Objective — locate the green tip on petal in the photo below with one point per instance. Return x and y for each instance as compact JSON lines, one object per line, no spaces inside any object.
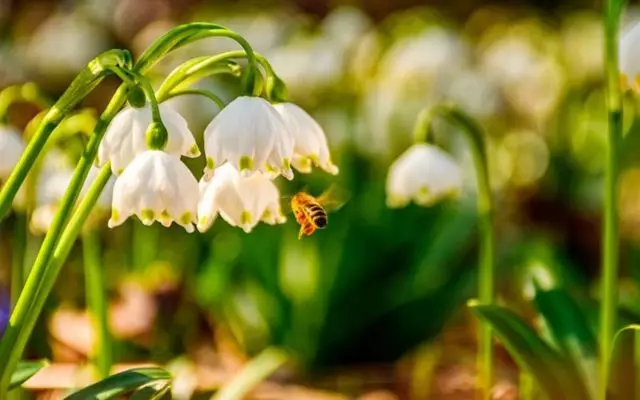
{"x":194,"y":150}
{"x":245,"y":217}
{"x":147,"y":215}
{"x":246,"y":162}
{"x":210,"y":163}
{"x":286,"y":163}
{"x":185,"y":218}
{"x":115,"y":215}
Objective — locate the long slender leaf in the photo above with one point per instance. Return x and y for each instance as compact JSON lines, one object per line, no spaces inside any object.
{"x":570,"y":331}
{"x":623,"y":383}
{"x":151,"y":392}
{"x":25,"y":370}
{"x":554,"y":373}
{"x":121,"y":383}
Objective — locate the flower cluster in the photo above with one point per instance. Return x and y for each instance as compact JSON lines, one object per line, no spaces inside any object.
{"x":248,"y":144}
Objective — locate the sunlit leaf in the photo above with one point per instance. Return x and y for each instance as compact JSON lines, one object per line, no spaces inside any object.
{"x":570,"y":330}
{"x":121,"y":383}
{"x":554,"y":373}
{"x":25,"y":370}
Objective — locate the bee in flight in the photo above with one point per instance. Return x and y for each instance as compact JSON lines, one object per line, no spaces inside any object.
{"x":312,"y":212}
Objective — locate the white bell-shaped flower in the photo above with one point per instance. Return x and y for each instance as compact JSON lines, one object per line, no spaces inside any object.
{"x":125,"y":136}
{"x":310,"y":142}
{"x":241,"y":200}
{"x":156,"y":186}
{"x":250,"y":134}
{"x":425,"y":174}
{"x":11,"y":148}
{"x":629,"y":58}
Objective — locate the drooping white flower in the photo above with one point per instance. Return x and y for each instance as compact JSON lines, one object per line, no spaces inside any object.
{"x":125,"y":136}
{"x":241,"y":200}
{"x":310,"y":142}
{"x":249,"y":134}
{"x":106,"y":197}
{"x":629,"y":58}
{"x":156,"y":186}
{"x":11,"y":148}
{"x":425,"y":174}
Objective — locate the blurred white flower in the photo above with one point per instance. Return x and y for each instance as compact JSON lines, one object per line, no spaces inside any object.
{"x":106,"y":197}
{"x":125,"y":136}
{"x":346,"y":25}
{"x":11,"y":148}
{"x":310,"y":142}
{"x":629,"y":58}
{"x":251,"y":135}
{"x":242,"y":201}
{"x":64,"y":43}
{"x":156,"y":186}
{"x":425,"y":174}
{"x":51,"y":184}
{"x":435,"y":51}
{"x":308,"y":64}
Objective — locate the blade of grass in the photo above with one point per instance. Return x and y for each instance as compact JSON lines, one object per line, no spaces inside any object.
{"x":25,"y":370}
{"x":121,"y":383}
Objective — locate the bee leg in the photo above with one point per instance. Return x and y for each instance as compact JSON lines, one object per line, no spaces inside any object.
{"x":301,"y":232}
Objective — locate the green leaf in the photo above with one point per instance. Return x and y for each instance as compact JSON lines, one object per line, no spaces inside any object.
{"x":121,"y":383}
{"x":570,"y":331}
{"x":151,"y":392}
{"x":25,"y":370}
{"x":554,"y":373}
{"x":625,"y":364}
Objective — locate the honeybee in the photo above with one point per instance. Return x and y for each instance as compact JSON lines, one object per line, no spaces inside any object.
{"x":312,"y":212}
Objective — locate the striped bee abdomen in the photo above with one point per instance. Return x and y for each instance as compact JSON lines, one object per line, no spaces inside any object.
{"x":317,"y":214}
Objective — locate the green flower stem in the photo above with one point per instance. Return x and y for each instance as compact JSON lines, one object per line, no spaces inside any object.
{"x":19,"y":242}
{"x":23,"y":317}
{"x":257,"y":370}
{"x":188,"y":33}
{"x":201,"y":92}
{"x":475,"y":135}
{"x":200,"y":67}
{"x":97,"y":302}
{"x":610,"y":238}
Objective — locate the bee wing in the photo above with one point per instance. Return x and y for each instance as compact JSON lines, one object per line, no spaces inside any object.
{"x":333,"y":198}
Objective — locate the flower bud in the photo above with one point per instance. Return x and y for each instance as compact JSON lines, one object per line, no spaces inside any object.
{"x":157,"y":136}
{"x":276,"y":89}
{"x":136,"y":97}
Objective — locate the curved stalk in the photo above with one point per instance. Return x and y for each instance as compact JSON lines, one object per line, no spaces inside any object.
{"x":201,"y":67}
{"x":97,"y":302}
{"x":188,"y":33}
{"x":200,"y":92}
{"x":610,"y":238}
{"x":475,"y":136}
{"x":257,"y":370}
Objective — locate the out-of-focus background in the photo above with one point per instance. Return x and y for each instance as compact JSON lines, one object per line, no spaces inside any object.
{"x":373,"y":306}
